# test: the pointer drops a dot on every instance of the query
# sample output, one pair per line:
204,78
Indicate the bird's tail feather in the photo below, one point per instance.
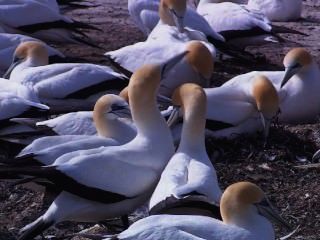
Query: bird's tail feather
233,51
282,29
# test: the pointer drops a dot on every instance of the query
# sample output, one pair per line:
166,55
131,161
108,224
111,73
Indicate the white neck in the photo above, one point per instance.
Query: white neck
254,223
191,142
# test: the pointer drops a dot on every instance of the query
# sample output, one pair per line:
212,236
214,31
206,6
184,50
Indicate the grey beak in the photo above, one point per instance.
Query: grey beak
266,125
178,21
15,63
173,118
265,209
169,64
289,73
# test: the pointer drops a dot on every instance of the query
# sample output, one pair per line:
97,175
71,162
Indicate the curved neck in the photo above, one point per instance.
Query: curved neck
249,219
108,126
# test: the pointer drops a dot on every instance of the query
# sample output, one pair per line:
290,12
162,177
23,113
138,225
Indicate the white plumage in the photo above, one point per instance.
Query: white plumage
9,43
275,10
189,171
244,218
15,99
145,14
36,21
113,130
131,171
58,80
164,42
235,22
297,86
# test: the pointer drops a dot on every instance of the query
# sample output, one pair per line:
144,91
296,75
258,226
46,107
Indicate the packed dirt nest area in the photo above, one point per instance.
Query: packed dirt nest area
283,167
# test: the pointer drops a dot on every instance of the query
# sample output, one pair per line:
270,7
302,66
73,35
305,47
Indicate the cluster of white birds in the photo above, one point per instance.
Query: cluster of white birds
108,162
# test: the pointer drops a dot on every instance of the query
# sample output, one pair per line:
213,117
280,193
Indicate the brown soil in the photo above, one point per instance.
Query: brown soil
276,167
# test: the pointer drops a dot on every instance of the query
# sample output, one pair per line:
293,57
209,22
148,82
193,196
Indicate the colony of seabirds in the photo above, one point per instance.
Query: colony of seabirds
108,162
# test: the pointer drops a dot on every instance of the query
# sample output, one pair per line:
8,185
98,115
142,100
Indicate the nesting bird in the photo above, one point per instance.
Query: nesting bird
127,179
245,211
278,11
42,19
240,25
297,86
8,44
62,80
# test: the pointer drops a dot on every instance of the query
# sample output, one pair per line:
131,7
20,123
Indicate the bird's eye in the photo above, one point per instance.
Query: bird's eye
297,65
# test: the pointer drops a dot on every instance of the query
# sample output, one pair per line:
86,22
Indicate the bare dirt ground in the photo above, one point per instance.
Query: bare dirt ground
277,167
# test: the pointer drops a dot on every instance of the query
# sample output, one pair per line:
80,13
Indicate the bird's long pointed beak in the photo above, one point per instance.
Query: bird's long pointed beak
178,20
266,125
174,116
169,64
265,209
10,69
289,72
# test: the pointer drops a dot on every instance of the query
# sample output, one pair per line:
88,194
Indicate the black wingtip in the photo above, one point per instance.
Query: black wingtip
234,51
121,69
59,59
86,42
81,25
34,229
281,29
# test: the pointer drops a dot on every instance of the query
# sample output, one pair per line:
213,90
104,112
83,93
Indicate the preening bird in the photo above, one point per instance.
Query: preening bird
243,107
297,86
189,184
98,189
196,66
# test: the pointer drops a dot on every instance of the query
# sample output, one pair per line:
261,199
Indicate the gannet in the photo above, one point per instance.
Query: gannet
275,10
128,177
298,86
16,99
246,214
188,184
238,24
197,64
8,44
145,14
41,19
112,131
240,108
62,80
